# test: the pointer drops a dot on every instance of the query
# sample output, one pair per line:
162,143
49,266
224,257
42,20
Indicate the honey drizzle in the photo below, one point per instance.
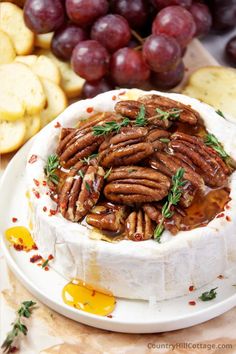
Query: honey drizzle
20,238
84,297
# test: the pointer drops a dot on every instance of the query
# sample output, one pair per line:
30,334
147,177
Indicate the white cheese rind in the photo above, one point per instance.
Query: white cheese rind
135,270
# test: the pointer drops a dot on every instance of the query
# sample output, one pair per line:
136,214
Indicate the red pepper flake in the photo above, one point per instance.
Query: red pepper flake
57,125
35,247
18,247
227,207
44,183
14,219
109,316
36,193
192,303
35,258
21,240
220,276
90,109
13,350
46,268
191,288
50,257
93,293
52,212
36,182
221,215
228,218
122,93
114,98
44,208
33,159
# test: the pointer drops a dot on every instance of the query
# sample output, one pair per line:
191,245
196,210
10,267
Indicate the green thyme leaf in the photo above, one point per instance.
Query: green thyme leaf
81,174
164,140
131,170
87,186
220,113
45,263
18,327
89,158
109,127
172,199
212,141
173,113
108,172
208,295
50,169
140,119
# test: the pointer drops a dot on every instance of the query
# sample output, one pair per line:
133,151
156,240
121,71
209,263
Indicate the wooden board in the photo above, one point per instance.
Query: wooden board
196,56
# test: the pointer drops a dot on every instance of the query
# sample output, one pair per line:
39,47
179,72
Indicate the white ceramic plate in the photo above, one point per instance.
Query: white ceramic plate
129,316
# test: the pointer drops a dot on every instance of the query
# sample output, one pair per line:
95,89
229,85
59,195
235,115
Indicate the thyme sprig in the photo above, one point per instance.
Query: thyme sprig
108,172
109,127
18,327
220,113
173,113
89,158
50,169
140,119
208,295
212,141
172,199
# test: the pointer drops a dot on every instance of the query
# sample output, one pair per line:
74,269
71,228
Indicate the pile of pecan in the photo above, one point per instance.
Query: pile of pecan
119,179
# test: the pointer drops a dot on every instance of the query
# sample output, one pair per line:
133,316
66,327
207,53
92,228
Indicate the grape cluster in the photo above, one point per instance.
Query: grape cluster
123,43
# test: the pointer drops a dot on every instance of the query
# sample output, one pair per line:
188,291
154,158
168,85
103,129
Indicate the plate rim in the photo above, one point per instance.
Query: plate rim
103,322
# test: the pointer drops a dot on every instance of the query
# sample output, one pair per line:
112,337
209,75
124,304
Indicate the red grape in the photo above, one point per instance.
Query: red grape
90,60
202,17
128,68
65,39
168,79
93,88
135,11
42,16
224,14
176,22
112,31
160,4
85,12
161,52
231,50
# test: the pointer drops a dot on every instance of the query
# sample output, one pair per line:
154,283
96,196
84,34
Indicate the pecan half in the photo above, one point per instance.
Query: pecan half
156,136
80,191
77,145
131,109
187,114
173,224
139,226
205,160
125,148
134,184
169,164
108,217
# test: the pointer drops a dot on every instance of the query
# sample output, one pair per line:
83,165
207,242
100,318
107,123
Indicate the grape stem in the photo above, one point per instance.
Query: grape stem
137,36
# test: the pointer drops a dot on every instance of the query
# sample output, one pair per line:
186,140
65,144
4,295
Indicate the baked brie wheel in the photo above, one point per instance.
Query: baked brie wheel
135,193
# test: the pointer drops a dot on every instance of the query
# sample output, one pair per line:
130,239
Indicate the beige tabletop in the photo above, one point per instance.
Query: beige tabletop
50,332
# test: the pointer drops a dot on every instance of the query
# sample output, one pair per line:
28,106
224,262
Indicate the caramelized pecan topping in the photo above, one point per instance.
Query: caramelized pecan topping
125,148
204,160
132,108
139,226
77,145
158,138
80,191
187,114
135,184
173,224
169,164
108,217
